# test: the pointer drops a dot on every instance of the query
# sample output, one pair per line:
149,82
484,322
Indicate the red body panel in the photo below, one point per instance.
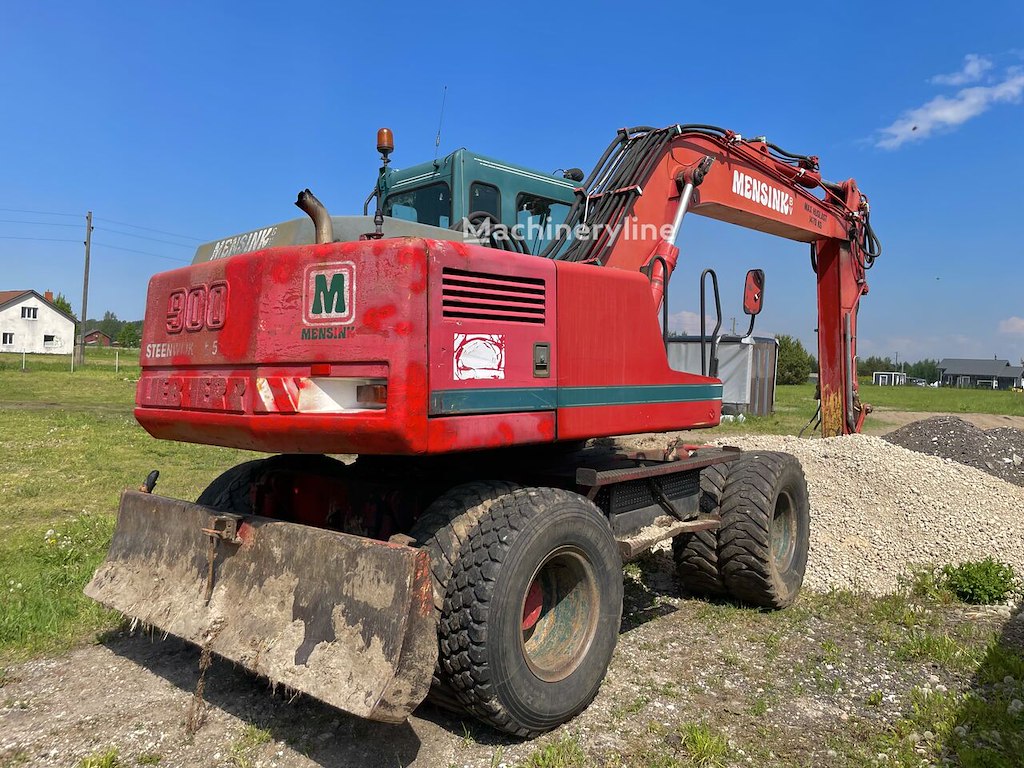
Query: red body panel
479,348
609,339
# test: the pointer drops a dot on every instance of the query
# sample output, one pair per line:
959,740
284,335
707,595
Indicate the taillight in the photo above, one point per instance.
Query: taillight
372,395
330,394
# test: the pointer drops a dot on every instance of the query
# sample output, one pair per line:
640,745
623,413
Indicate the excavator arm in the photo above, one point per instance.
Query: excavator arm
650,178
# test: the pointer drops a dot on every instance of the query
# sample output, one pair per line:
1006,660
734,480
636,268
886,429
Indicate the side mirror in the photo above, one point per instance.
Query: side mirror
753,292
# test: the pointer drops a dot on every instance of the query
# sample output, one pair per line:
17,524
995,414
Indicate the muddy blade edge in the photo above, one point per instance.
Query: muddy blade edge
345,619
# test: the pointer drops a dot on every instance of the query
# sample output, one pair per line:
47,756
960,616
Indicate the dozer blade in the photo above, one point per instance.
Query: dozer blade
345,619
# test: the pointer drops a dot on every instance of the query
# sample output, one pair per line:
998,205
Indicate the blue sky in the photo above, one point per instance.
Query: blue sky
204,119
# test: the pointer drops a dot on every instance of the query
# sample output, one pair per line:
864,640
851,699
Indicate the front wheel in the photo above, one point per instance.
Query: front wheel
532,614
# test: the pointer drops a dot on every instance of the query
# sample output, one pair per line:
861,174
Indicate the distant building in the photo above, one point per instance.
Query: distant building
983,374
30,322
97,338
889,378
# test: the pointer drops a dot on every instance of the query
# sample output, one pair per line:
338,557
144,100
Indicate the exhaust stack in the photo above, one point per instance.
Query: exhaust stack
318,213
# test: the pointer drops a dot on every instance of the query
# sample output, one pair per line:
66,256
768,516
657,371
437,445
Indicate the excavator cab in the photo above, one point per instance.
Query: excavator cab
443,192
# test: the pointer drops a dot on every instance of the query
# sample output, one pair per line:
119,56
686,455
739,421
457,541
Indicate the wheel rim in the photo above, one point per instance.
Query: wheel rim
559,614
784,533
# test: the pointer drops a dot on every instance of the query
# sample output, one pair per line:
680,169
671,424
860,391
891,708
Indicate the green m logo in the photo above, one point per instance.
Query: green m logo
329,294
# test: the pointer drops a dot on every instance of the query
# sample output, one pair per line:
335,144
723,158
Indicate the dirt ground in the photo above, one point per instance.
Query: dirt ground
809,686
882,420
798,687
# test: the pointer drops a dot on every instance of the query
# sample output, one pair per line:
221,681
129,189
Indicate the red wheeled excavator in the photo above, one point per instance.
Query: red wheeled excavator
470,545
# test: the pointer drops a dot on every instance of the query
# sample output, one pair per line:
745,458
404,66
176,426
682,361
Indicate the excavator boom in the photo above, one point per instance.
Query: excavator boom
650,176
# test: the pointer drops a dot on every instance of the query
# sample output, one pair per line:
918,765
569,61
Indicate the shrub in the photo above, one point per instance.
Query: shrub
795,364
981,582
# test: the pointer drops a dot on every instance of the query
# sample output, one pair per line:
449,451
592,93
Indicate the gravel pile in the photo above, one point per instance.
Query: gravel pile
1000,451
878,508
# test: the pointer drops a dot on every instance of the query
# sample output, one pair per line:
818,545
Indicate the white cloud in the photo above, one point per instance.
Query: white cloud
974,67
1013,326
952,111
686,322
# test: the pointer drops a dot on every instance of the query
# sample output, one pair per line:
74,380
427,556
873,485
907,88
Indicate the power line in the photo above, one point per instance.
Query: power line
101,245
144,253
103,229
43,223
141,237
95,218
40,213
40,239
148,229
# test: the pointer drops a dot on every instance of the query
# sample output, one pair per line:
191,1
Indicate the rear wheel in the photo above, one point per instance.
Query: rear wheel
765,530
532,614
696,554
232,491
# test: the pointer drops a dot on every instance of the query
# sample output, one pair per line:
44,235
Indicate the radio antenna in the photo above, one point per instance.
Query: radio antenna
440,122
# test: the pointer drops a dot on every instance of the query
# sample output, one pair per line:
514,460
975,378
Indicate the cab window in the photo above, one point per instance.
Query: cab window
538,219
485,197
431,204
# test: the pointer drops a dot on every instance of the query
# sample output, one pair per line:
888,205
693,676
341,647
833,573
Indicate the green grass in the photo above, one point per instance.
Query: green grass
63,465
248,742
107,759
705,747
95,387
564,753
795,405
95,357
943,400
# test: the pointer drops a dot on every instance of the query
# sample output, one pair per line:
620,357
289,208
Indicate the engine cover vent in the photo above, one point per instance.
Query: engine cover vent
484,296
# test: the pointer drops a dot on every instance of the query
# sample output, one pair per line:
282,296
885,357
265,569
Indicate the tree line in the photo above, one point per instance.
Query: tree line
922,369
126,333
796,364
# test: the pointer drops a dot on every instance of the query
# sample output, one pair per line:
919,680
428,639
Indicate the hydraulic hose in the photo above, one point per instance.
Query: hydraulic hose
871,246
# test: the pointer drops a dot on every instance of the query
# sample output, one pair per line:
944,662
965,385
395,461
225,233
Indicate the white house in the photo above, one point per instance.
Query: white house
31,323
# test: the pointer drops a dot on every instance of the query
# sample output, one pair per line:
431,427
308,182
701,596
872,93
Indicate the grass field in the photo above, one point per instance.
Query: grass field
69,444
795,405
944,400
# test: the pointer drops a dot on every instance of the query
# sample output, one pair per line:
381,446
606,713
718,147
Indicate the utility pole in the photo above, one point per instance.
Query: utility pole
85,290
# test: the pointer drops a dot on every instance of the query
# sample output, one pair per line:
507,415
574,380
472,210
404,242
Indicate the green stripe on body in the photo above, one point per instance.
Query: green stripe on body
513,399
575,397
503,400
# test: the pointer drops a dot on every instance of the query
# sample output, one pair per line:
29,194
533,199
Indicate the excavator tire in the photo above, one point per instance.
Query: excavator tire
765,529
443,529
696,554
231,491
532,613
